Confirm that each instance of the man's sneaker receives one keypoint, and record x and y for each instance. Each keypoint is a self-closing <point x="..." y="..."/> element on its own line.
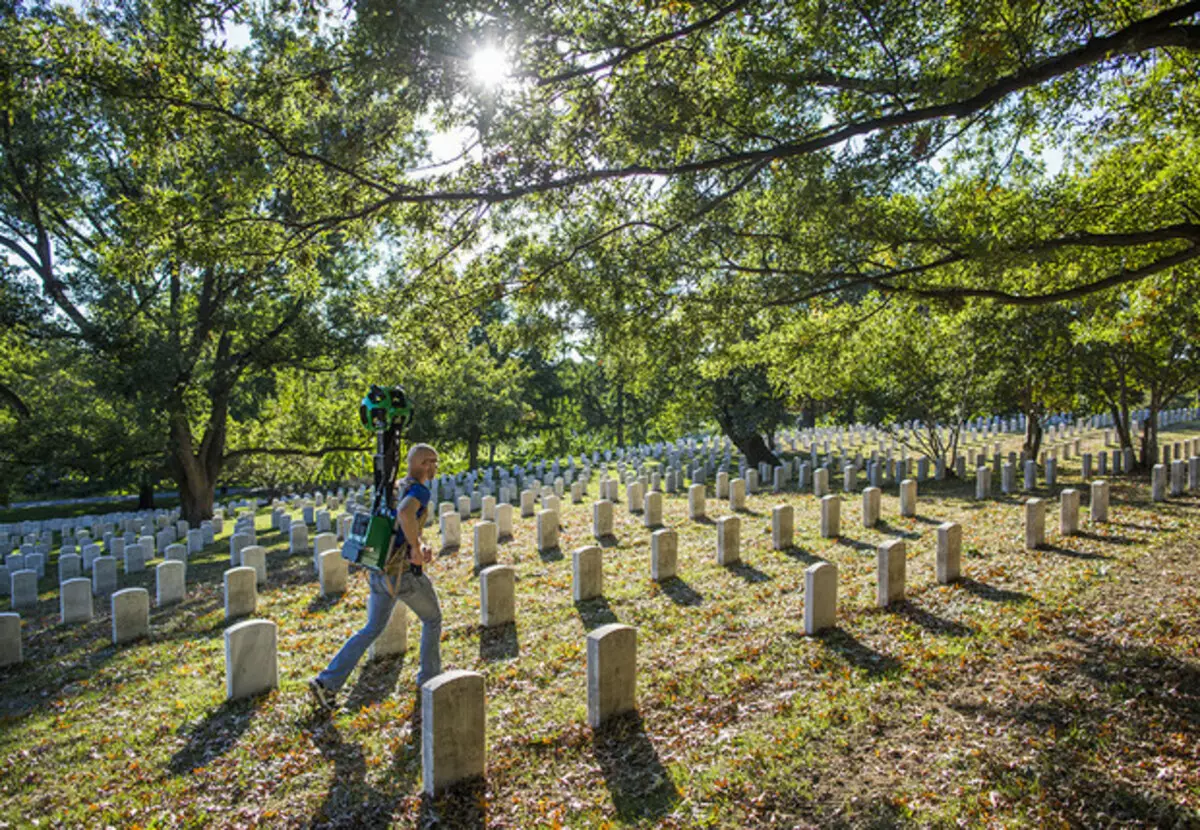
<point x="324" y="697"/>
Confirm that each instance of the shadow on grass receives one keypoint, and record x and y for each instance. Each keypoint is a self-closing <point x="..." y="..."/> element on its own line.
<point x="749" y="573"/>
<point x="889" y="528"/>
<point x="703" y="520"/>
<point x="215" y="735"/>
<point x="376" y="681"/>
<point x="321" y="604"/>
<point x="595" y="613"/>
<point x="1111" y="540"/>
<point x="350" y="800"/>
<point x="462" y="806"/>
<point x="553" y="554"/>
<point x="499" y="643"/>
<point x="640" y="786"/>
<point x="853" y="651"/>
<point x="608" y="541"/>
<point x="681" y="593"/>
<point x="927" y="520"/>
<point x="801" y="555"/>
<point x="1074" y="554"/>
<point x="846" y="541"/>
<point x="1149" y="693"/>
<point x="990" y="592"/>
<point x="930" y="622"/>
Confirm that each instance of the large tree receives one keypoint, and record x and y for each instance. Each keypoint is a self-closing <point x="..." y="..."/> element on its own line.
<point x="158" y="237"/>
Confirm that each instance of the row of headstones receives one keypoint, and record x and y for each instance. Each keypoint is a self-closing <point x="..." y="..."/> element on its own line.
<point x="103" y="569"/>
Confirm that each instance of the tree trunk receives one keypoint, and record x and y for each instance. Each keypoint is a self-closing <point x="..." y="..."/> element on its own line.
<point x="621" y="414"/>
<point x="1149" y="448"/>
<point x="1033" y="435"/>
<point x="196" y="469"/>
<point x="146" y="494"/>
<point x="473" y="438"/>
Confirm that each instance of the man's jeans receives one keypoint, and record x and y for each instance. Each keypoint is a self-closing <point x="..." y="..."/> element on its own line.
<point x="418" y="594"/>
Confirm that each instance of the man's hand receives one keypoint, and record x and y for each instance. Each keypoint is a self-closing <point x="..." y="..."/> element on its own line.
<point x="426" y="553"/>
<point x="417" y="555"/>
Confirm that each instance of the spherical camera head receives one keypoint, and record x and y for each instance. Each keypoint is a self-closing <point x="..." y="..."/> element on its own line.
<point x="384" y="408"/>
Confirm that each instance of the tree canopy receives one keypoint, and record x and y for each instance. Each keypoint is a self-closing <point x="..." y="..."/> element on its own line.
<point x="220" y="221"/>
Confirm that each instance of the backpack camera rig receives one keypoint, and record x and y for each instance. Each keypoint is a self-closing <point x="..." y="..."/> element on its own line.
<point x="386" y="411"/>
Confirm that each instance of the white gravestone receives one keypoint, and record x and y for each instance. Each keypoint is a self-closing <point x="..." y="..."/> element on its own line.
<point x="831" y="516"/>
<point x="241" y="592"/>
<point x="24" y="588"/>
<point x="949" y="552"/>
<point x="820" y="597"/>
<point x="169" y="582"/>
<point x="69" y="567"/>
<point x="696" y="502"/>
<point x="453" y="730"/>
<point x="782" y="524"/>
<point x="504" y="521"/>
<point x="547" y="530"/>
<point x="322" y="542"/>
<point x="611" y="672"/>
<point x="251" y="659"/>
<point x="130" y="615"/>
<point x="75" y="601"/>
<point x="1068" y="519"/>
<point x="908" y="498"/>
<point x="1035" y="523"/>
<point x="652" y="510"/>
<point x="497" y="601"/>
<point x="104" y="576"/>
<point x="10" y="639"/>
<point x="486" y="538"/>
<point x="871" y="502"/>
<point x="333" y="574"/>
<point x="297" y="539"/>
<point x="737" y="494"/>
<point x="587" y="571"/>
<point x="728" y="540"/>
<point x="1099" y="503"/>
<point x="664" y="545"/>
<point x="890" y="572"/>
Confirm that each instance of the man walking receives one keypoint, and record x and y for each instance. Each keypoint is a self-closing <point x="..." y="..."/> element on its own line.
<point x="397" y="581"/>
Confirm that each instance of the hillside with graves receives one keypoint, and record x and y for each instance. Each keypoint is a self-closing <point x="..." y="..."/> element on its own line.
<point x="656" y="636"/>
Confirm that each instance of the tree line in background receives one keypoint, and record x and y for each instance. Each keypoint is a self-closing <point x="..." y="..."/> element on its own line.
<point x="669" y="218"/>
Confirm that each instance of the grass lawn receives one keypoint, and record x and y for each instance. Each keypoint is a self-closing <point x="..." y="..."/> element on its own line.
<point x="1052" y="687"/>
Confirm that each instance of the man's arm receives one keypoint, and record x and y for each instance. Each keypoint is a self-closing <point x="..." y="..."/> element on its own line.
<point x="411" y="526"/>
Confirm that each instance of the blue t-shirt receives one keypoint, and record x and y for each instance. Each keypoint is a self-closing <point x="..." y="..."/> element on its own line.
<point x="412" y="489"/>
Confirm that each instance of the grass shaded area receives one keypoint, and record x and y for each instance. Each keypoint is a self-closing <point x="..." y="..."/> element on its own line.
<point x="1052" y="686"/>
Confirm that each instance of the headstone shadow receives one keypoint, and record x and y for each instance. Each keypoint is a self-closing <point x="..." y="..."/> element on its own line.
<point x="929" y="621"/>
<point x="749" y="573"/>
<point x="1111" y="540"/>
<point x="1074" y="554"/>
<point x="991" y="592"/>
<point x="857" y="653"/>
<point x="215" y="735"/>
<point x="499" y="643"/>
<point x="553" y="554"/>
<point x="376" y="681"/>
<point x="595" y="612"/>
<point x="927" y="520"/>
<point x="801" y="555"/>
<point x="891" y="529"/>
<point x="703" y="520"/>
<point x="680" y="592"/>
<point x="846" y="541"/>
<point x="640" y="786"/>
<point x="350" y="800"/>
<point x="608" y="541"/>
<point x="462" y="806"/>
